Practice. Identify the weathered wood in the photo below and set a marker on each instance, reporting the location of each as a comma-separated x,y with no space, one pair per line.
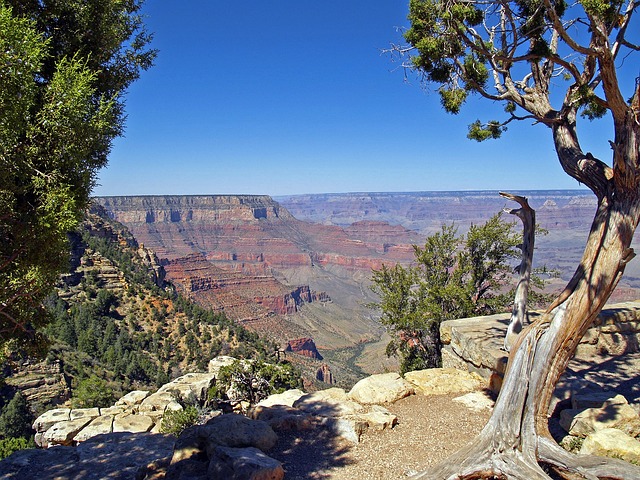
519,312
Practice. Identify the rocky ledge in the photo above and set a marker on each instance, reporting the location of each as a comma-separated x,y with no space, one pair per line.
94,443
118,442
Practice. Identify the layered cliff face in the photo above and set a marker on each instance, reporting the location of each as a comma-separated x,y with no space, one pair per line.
237,254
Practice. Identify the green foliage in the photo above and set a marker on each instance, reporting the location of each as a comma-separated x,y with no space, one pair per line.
92,392
480,132
454,277
16,418
63,69
517,47
11,445
175,421
251,381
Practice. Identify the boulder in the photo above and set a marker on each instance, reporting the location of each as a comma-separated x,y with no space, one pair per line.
379,419
238,431
282,417
121,456
598,399
158,402
243,464
89,413
62,433
611,442
133,398
349,428
45,421
98,426
583,422
332,402
440,381
381,388
285,398
132,423
191,384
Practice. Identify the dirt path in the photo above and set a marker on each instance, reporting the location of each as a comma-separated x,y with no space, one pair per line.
430,428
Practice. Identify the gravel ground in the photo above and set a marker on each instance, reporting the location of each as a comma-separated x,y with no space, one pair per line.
429,429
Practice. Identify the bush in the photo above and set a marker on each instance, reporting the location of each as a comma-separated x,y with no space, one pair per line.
10,445
251,381
92,392
175,421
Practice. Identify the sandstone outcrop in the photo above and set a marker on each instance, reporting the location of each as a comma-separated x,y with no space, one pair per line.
41,383
474,344
305,347
324,374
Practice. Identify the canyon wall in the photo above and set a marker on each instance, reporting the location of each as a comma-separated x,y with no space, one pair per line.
248,256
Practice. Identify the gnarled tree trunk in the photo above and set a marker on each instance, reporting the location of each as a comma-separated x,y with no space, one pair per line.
516,443
519,311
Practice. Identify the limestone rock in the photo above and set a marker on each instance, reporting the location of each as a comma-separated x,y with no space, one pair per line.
132,423
439,381
379,419
584,422
350,428
217,363
89,413
243,464
191,384
62,433
332,402
239,431
45,421
285,398
113,410
98,426
596,399
282,417
476,401
381,388
157,402
133,398
611,442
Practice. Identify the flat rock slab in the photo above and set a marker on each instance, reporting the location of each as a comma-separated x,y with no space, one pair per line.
381,388
118,456
243,464
440,381
612,442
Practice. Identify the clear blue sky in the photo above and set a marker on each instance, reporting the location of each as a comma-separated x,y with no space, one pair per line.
292,97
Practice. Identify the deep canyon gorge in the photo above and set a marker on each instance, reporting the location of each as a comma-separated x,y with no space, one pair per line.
298,267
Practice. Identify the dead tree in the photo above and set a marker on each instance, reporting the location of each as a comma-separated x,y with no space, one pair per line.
519,311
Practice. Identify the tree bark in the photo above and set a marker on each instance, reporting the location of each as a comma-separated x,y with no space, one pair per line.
519,311
516,443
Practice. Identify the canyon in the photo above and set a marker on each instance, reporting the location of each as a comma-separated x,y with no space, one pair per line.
298,267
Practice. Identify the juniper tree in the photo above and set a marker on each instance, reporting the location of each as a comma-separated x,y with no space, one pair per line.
64,68
556,64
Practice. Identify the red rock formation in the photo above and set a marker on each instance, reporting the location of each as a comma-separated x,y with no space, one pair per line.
305,347
325,375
